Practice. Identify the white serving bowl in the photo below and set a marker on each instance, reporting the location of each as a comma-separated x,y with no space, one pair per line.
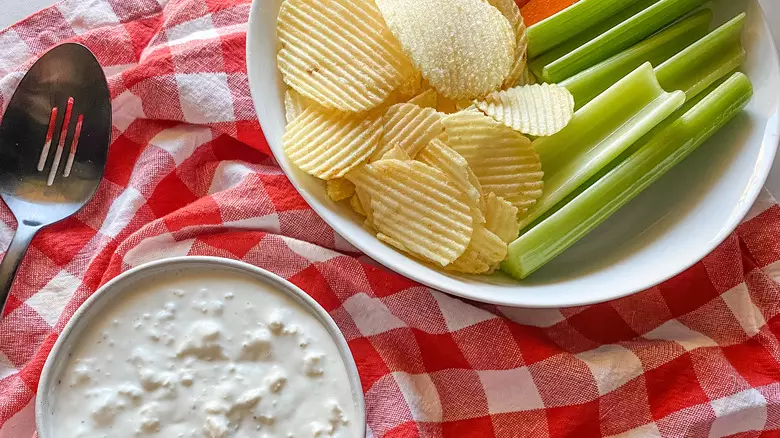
125,282
665,230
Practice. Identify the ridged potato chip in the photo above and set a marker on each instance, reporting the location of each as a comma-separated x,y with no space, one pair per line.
437,154
477,185
540,110
426,99
396,153
526,77
294,104
511,12
464,48
365,202
521,55
339,53
503,160
411,86
417,209
485,252
508,9
328,143
501,218
354,202
408,126
339,189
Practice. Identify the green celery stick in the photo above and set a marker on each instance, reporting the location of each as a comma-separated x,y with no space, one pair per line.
598,133
582,15
713,60
705,61
619,38
630,151
537,64
588,84
659,153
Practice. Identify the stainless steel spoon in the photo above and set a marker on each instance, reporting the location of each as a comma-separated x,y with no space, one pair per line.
54,140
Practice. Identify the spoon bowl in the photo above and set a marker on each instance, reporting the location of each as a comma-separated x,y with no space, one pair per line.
54,139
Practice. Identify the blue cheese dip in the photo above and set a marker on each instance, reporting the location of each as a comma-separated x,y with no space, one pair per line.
215,355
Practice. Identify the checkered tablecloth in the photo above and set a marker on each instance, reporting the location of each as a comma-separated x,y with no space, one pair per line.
189,173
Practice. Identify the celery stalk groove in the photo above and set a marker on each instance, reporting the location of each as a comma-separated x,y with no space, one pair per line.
705,61
588,84
658,153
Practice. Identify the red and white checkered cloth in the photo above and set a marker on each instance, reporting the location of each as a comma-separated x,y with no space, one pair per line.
189,173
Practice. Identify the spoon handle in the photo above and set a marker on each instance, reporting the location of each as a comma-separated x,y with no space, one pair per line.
13,257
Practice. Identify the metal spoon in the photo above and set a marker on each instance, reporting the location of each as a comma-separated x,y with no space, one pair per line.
54,140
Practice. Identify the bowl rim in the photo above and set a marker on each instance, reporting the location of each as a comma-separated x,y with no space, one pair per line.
763,168
109,292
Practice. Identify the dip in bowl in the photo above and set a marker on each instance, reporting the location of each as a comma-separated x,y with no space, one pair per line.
200,347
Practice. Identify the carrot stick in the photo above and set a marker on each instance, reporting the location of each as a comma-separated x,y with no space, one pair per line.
535,11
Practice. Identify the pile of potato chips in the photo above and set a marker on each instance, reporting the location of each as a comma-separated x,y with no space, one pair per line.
417,113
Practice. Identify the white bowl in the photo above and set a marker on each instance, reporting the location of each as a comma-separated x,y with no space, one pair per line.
105,296
668,228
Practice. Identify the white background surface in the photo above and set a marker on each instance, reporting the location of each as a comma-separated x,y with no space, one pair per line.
15,10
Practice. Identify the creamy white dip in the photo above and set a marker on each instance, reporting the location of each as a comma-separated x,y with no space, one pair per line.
213,355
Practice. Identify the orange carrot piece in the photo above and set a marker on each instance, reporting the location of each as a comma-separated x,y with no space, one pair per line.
535,11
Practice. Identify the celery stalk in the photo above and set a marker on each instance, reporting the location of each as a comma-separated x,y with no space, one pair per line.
582,15
537,64
588,84
711,61
659,153
705,61
619,38
628,152
600,132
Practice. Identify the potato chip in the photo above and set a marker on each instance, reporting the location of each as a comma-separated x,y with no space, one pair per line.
485,252
361,203
477,185
450,106
328,143
446,105
365,202
503,160
511,12
540,110
521,55
437,154
410,127
411,86
417,209
465,104
339,189
396,153
354,202
464,48
393,242
501,218
294,104
526,77
426,99
339,53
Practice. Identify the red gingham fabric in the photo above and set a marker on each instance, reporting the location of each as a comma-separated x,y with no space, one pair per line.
189,173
